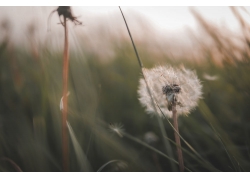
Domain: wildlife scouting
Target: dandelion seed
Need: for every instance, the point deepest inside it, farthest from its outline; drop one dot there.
(120, 166)
(209, 77)
(61, 101)
(117, 128)
(150, 138)
(168, 84)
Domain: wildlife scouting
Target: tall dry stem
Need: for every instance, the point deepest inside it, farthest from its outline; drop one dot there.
(65, 147)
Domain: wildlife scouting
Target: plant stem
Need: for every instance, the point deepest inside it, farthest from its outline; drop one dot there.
(65, 148)
(177, 138)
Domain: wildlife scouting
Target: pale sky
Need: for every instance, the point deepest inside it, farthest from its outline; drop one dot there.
(165, 19)
(178, 17)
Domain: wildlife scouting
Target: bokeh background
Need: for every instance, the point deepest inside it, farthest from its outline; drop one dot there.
(103, 81)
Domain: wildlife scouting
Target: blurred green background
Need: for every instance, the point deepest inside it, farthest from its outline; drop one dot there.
(103, 83)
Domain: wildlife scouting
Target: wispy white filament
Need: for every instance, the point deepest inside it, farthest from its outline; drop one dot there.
(61, 101)
(209, 77)
(161, 76)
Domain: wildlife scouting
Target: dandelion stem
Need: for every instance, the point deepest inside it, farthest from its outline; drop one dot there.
(65, 148)
(177, 138)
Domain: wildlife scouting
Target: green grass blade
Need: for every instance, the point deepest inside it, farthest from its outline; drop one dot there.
(81, 158)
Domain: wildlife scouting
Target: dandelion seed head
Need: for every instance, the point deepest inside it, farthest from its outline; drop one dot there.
(167, 83)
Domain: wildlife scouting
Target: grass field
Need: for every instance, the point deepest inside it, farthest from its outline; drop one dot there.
(107, 127)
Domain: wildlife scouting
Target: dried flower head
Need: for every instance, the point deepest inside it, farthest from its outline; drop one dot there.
(66, 12)
(169, 85)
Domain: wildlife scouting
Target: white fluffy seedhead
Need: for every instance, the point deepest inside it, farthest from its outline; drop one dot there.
(186, 88)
